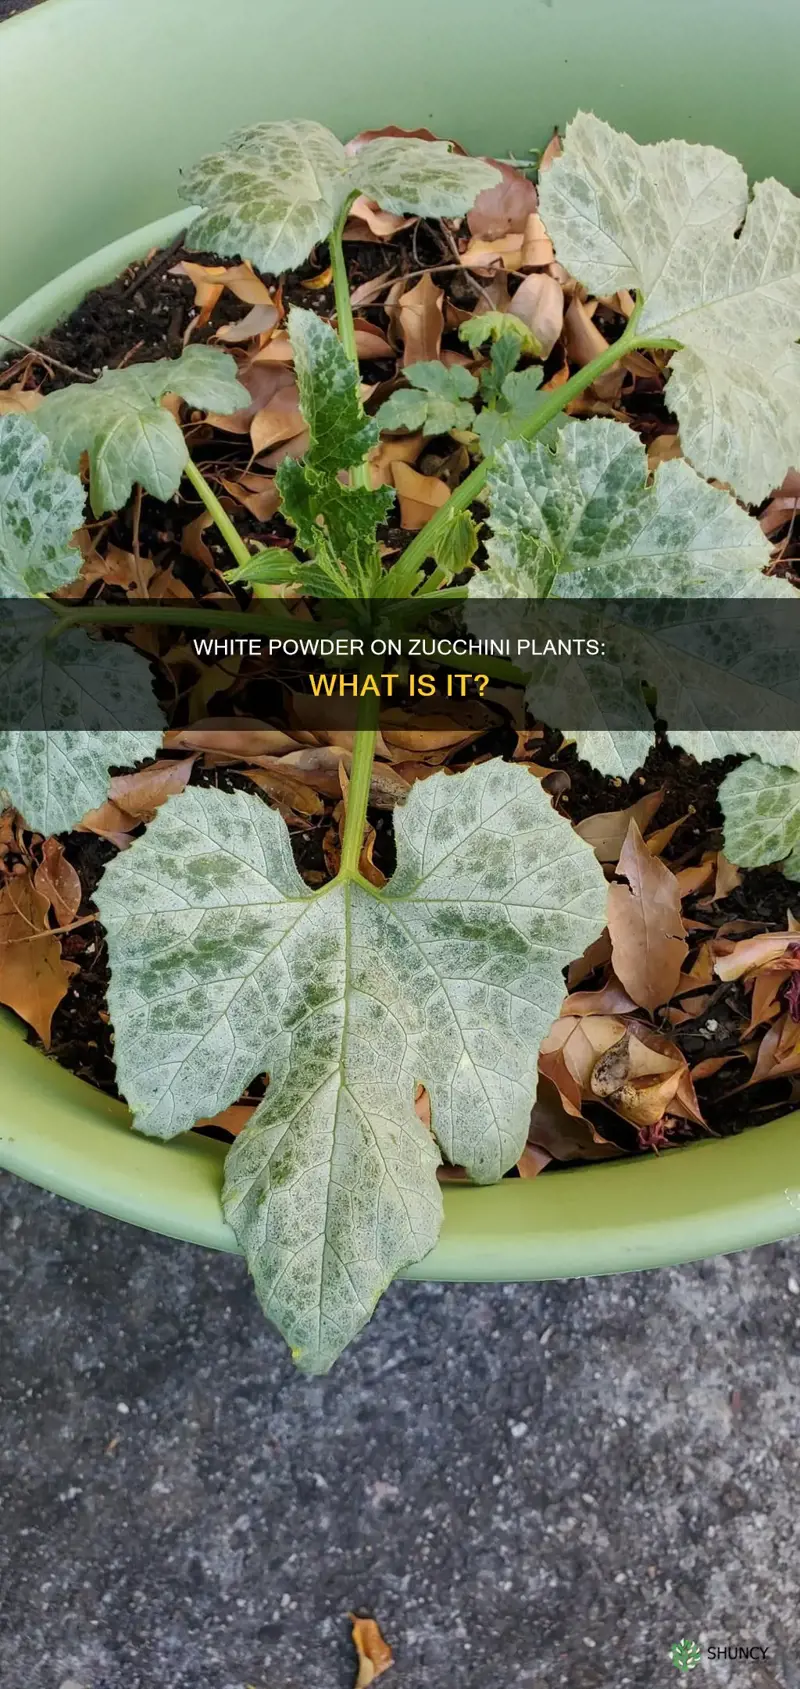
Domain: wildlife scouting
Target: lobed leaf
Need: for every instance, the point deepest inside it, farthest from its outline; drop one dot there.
(226, 966)
(519, 400)
(275, 189)
(330, 397)
(72, 697)
(437, 400)
(420, 178)
(761, 805)
(270, 194)
(665, 220)
(40, 508)
(127, 433)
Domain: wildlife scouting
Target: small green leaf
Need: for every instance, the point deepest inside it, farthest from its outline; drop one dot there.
(505, 356)
(499, 325)
(224, 966)
(420, 178)
(761, 805)
(273, 567)
(439, 403)
(40, 508)
(457, 544)
(71, 696)
(667, 221)
(127, 433)
(519, 400)
(337, 525)
(451, 382)
(330, 400)
(270, 194)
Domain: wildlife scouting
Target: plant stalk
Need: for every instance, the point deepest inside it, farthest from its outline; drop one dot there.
(344, 316)
(400, 580)
(234, 541)
(364, 741)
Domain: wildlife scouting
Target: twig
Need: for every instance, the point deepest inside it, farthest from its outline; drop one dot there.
(157, 262)
(444, 233)
(45, 358)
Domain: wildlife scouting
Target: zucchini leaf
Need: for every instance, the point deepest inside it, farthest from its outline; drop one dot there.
(72, 696)
(224, 966)
(275, 189)
(126, 431)
(436, 401)
(40, 508)
(761, 805)
(720, 278)
(336, 524)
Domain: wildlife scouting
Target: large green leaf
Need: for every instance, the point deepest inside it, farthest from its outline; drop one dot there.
(270, 194)
(761, 805)
(226, 966)
(40, 508)
(127, 433)
(583, 508)
(275, 189)
(579, 520)
(330, 399)
(665, 220)
(72, 697)
(422, 178)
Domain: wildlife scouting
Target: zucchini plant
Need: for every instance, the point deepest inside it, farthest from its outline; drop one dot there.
(225, 965)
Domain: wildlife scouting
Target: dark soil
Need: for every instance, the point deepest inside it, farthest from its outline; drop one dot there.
(143, 315)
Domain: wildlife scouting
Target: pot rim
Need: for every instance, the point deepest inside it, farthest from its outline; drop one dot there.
(61, 1133)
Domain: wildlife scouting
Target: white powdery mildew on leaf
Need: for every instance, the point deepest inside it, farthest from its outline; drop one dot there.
(579, 520)
(663, 219)
(72, 698)
(270, 194)
(584, 502)
(40, 508)
(127, 433)
(330, 397)
(777, 748)
(761, 805)
(275, 189)
(420, 178)
(225, 966)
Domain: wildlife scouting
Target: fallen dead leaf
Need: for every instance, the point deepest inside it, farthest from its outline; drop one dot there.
(505, 208)
(644, 920)
(134, 798)
(539, 302)
(56, 879)
(374, 1654)
(607, 831)
(419, 495)
(390, 451)
(33, 977)
(421, 321)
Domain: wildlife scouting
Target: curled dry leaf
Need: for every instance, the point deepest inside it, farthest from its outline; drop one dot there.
(751, 955)
(33, 977)
(56, 879)
(260, 320)
(644, 920)
(638, 1073)
(784, 505)
(419, 495)
(366, 218)
(210, 281)
(391, 451)
(505, 208)
(134, 798)
(374, 1654)
(663, 449)
(257, 493)
(421, 321)
(607, 831)
(531, 249)
(539, 302)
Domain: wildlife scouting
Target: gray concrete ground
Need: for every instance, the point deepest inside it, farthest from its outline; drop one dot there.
(529, 1486)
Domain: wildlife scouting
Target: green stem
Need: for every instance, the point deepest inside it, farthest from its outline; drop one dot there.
(234, 542)
(344, 315)
(132, 615)
(360, 781)
(401, 579)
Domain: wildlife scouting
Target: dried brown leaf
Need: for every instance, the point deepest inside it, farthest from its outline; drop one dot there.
(56, 879)
(374, 1654)
(539, 302)
(33, 977)
(644, 921)
(421, 321)
(607, 831)
(503, 209)
(419, 495)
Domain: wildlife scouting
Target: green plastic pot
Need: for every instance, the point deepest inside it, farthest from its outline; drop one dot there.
(101, 102)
